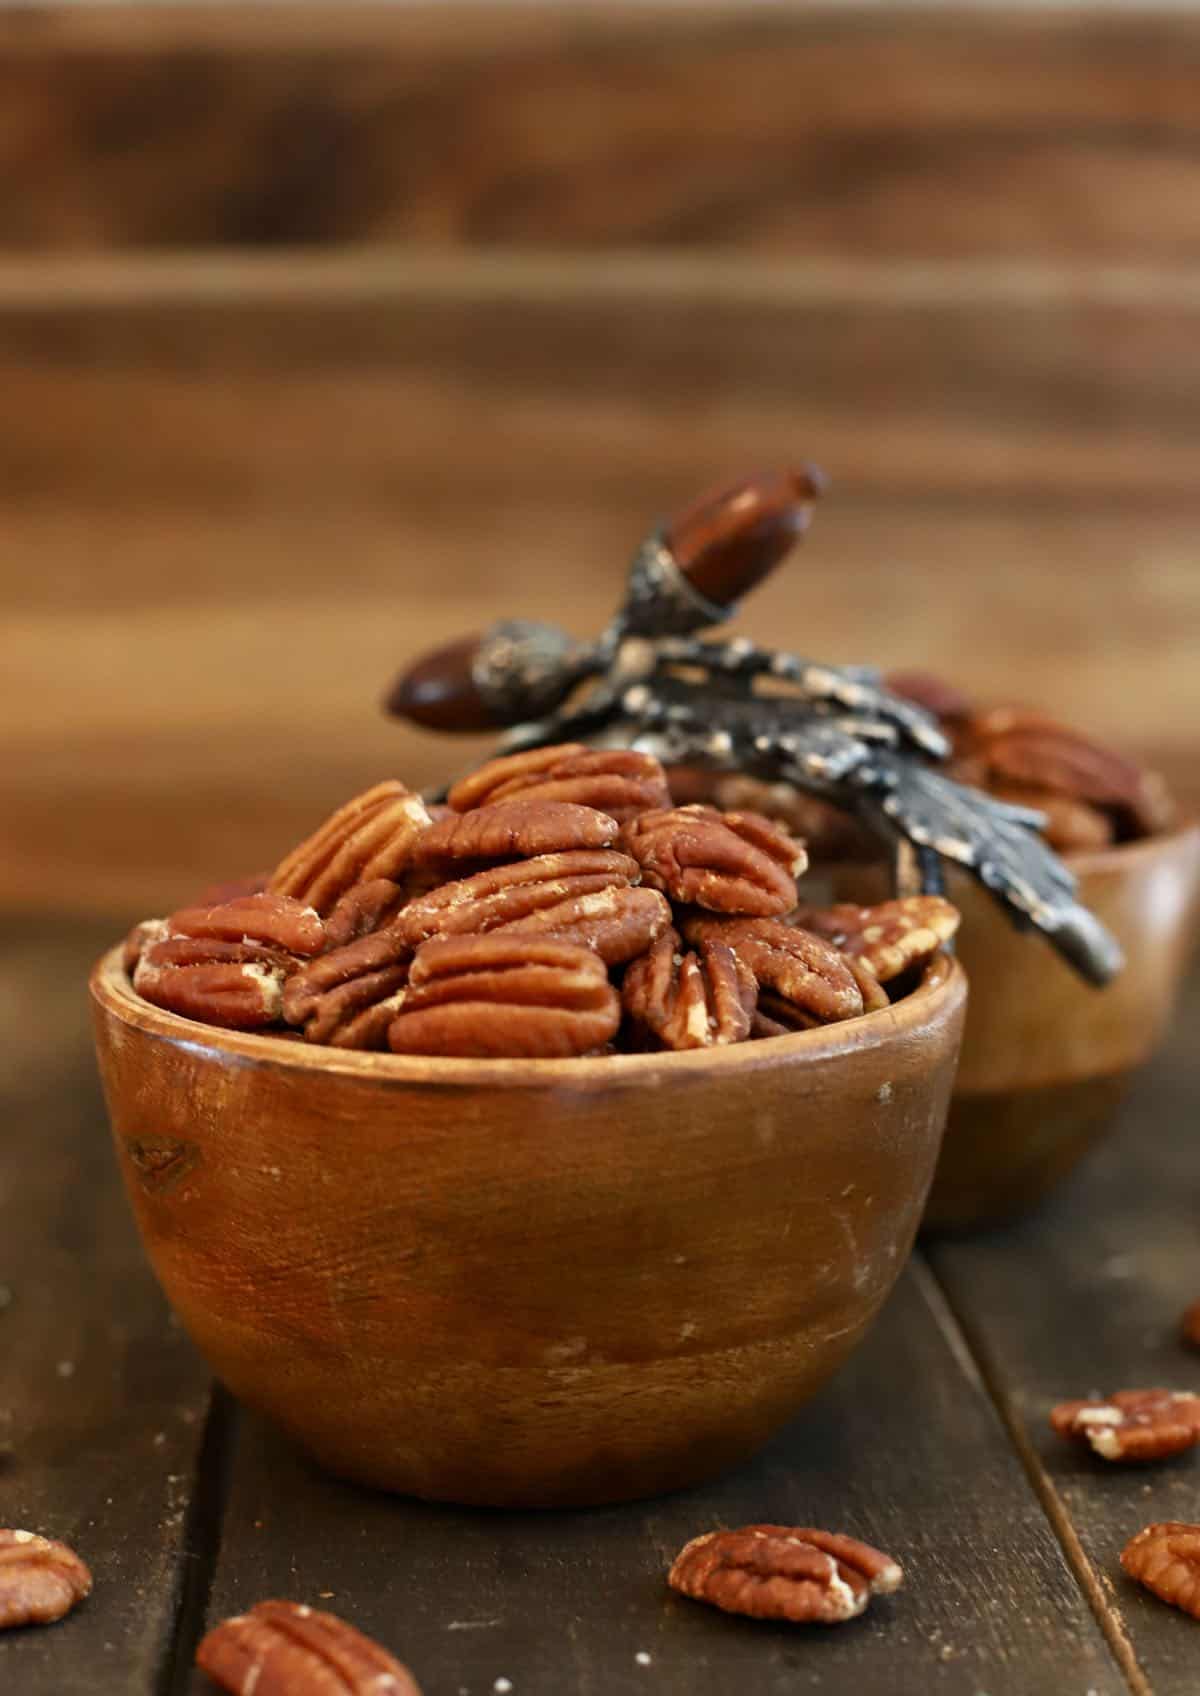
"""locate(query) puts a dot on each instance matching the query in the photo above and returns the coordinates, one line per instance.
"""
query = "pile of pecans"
(559, 905)
(1091, 795)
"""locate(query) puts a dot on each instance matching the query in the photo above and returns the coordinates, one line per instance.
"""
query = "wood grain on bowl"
(530, 1282)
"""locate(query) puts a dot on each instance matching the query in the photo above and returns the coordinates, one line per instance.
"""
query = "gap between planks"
(973, 1354)
(301, 275)
(203, 1531)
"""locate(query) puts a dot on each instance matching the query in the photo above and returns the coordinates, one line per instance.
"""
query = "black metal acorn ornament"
(650, 682)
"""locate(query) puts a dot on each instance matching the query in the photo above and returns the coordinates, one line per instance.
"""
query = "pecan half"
(277, 921)
(244, 992)
(618, 781)
(802, 968)
(514, 830)
(888, 938)
(139, 939)
(502, 894)
(369, 955)
(616, 923)
(357, 1014)
(1133, 1424)
(727, 862)
(362, 910)
(371, 837)
(1189, 1325)
(1166, 1559)
(505, 994)
(697, 999)
(1016, 745)
(826, 831)
(286, 1649)
(784, 1572)
(40, 1580)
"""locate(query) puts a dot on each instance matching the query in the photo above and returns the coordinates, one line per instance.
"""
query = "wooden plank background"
(326, 333)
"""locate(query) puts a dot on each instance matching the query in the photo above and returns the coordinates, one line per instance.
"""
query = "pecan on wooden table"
(1133, 1425)
(1166, 1559)
(286, 1649)
(784, 1572)
(40, 1580)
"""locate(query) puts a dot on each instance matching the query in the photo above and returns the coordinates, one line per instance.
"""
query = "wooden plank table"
(932, 1443)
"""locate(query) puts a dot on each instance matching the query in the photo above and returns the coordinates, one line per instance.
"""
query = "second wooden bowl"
(528, 1282)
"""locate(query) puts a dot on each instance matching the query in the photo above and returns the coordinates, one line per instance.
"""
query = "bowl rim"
(943, 987)
(1118, 855)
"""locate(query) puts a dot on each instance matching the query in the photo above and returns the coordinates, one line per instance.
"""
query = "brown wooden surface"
(875, 131)
(1010, 1541)
(239, 494)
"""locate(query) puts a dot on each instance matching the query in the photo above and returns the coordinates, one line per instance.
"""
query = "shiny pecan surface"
(277, 921)
(503, 894)
(287, 1649)
(618, 781)
(1166, 1559)
(40, 1579)
(364, 909)
(616, 923)
(371, 837)
(514, 830)
(888, 938)
(801, 968)
(727, 862)
(1133, 1425)
(699, 998)
(784, 1572)
(505, 995)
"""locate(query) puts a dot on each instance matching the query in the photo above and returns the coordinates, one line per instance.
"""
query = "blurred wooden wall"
(328, 332)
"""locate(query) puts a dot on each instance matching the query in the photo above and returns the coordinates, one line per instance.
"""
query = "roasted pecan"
(285, 1649)
(826, 831)
(357, 1014)
(277, 921)
(888, 938)
(1189, 1325)
(514, 830)
(505, 994)
(40, 1580)
(618, 781)
(369, 955)
(371, 837)
(1133, 1424)
(501, 894)
(1072, 827)
(617, 923)
(362, 910)
(697, 999)
(1016, 745)
(139, 939)
(241, 993)
(784, 1572)
(802, 968)
(1166, 1559)
(727, 862)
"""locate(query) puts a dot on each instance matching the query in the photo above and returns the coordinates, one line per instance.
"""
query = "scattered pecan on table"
(1166, 1559)
(1133, 1425)
(40, 1580)
(287, 1649)
(683, 918)
(784, 1572)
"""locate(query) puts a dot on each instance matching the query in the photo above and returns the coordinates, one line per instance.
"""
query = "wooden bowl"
(1046, 1057)
(530, 1283)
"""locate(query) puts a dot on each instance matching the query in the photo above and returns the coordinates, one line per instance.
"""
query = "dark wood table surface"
(932, 1443)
